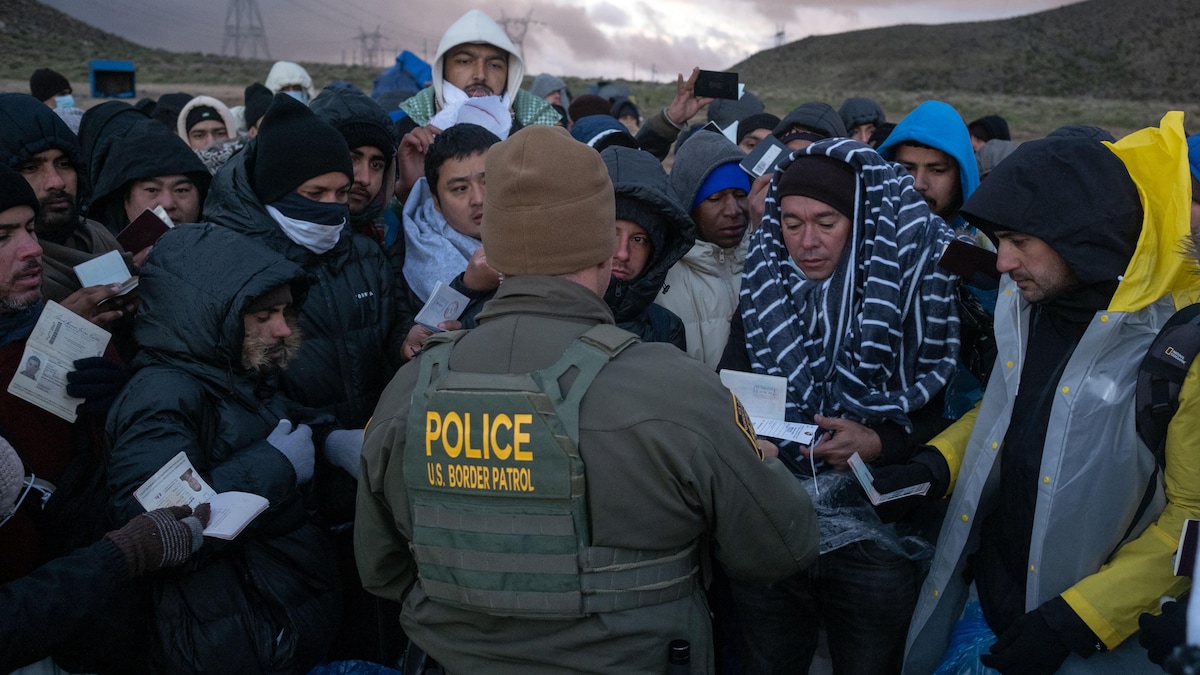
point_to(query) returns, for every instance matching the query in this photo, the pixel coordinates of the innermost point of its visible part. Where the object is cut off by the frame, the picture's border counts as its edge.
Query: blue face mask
(67, 101)
(301, 96)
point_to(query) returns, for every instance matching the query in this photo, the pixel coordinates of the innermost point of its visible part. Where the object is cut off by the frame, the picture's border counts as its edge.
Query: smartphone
(713, 84)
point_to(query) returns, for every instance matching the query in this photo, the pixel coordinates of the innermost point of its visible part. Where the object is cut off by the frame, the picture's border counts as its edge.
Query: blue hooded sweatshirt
(938, 125)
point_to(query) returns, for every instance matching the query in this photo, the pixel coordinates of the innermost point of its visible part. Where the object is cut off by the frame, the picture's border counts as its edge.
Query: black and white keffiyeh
(877, 339)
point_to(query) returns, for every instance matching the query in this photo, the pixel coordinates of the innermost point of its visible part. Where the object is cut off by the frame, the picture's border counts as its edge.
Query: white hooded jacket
(475, 27)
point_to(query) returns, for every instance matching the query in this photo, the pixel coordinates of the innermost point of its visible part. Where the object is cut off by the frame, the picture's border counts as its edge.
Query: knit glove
(97, 381)
(161, 538)
(297, 445)
(927, 465)
(343, 448)
(1028, 647)
(1160, 634)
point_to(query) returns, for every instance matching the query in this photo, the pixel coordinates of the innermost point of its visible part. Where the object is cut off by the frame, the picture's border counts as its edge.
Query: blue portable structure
(408, 75)
(112, 79)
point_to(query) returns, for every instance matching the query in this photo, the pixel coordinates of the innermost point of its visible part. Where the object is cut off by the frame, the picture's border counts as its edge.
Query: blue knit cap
(1194, 155)
(723, 177)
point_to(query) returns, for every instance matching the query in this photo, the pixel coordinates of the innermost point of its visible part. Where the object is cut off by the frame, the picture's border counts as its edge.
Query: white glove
(343, 448)
(297, 445)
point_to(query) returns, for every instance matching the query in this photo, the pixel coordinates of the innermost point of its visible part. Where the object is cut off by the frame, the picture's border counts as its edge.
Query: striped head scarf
(878, 338)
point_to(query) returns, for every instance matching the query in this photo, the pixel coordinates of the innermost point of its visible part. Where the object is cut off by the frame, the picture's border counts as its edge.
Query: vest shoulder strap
(1161, 376)
(567, 380)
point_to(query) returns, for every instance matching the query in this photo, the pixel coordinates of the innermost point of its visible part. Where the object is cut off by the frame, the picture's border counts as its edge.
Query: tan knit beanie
(549, 207)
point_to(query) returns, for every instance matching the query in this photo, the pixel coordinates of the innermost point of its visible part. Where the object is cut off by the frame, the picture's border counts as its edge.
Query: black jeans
(863, 594)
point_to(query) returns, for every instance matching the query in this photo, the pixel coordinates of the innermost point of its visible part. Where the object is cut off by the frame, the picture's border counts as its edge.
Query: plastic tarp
(409, 74)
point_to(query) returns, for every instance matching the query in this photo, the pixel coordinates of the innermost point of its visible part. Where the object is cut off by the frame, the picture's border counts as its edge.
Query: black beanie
(294, 145)
(202, 113)
(258, 99)
(358, 133)
(760, 121)
(15, 190)
(45, 84)
(822, 178)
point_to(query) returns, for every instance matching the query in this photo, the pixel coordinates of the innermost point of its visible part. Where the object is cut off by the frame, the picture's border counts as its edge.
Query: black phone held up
(713, 84)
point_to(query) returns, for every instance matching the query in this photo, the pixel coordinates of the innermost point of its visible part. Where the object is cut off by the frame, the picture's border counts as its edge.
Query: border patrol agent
(541, 491)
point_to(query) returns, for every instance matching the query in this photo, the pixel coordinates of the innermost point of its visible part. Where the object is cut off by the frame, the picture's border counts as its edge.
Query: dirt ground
(230, 95)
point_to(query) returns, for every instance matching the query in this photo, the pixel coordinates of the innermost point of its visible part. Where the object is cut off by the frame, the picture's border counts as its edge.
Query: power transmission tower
(778, 35)
(368, 44)
(244, 26)
(516, 28)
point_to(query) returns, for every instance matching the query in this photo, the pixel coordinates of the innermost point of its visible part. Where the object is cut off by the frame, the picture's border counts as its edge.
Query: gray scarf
(434, 251)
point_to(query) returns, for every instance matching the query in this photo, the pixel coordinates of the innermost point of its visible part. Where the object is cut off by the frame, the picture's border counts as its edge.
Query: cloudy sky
(586, 38)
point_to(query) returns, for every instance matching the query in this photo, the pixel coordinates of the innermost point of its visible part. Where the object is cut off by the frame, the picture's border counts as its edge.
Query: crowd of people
(554, 477)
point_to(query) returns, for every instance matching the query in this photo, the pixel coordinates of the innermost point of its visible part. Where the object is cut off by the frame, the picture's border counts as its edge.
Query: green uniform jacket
(666, 461)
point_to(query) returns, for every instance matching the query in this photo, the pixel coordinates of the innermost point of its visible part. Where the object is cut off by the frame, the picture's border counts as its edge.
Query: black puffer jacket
(264, 602)
(638, 175)
(346, 110)
(351, 343)
(141, 149)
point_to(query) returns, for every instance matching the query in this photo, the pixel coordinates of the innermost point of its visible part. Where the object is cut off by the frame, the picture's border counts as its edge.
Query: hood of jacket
(232, 203)
(938, 125)
(477, 28)
(1157, 161)
(284, 73)
(1076, 196)
(143, 149)
(698, 157)
(195, 287)
(231, 125)
(100, 127)
(28, 127)
(638, 175)
(545, 84)
(344, 109)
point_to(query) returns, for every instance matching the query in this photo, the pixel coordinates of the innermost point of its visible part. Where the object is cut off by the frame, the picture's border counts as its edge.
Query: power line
(369, 48)
(244, 27)
(516, 28)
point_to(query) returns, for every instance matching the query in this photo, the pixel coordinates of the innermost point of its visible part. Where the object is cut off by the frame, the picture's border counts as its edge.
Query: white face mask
(312, 236)
(301, 95)
(67, 101)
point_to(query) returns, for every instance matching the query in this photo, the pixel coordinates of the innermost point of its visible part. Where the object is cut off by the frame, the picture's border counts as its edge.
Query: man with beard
(475, 59)
(933, 145)
(372, 139)
(288, 190)
(1062, 520)
(63, 455)
(35, 142)
(217, 326)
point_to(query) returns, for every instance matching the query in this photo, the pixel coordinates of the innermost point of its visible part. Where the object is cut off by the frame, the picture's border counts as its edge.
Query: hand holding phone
(713, 84)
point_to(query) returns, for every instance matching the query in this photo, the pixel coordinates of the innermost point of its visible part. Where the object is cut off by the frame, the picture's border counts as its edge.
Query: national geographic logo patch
(742, 418)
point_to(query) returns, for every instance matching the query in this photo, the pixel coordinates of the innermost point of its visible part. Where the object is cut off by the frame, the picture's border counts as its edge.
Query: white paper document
(178, 484)
(106, 269)
(765, 400)
(444, 304)
(60, 338)
(863, 474)
(792, 431)
(762, 395)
